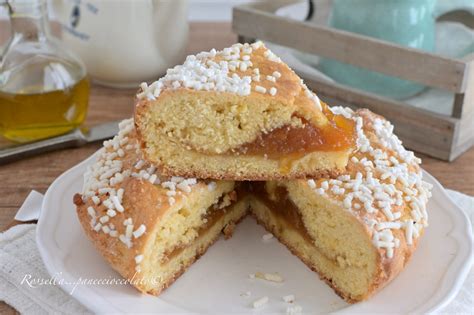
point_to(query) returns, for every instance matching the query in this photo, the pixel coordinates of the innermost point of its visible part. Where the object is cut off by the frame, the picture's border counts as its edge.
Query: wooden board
(464, 139)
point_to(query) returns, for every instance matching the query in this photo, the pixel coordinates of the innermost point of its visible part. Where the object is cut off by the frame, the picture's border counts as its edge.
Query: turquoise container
(410, 23)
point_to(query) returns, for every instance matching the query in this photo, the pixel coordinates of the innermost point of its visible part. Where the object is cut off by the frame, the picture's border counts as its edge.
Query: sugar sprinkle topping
(103, 180)
(260, 302)
(289, 298)
(138, 259)
(267, 237)
(294, 310)
(386, 179)
(273, 277)
(228, 70)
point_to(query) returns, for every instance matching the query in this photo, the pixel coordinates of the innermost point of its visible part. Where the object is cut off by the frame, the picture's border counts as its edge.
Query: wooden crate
(441, 136)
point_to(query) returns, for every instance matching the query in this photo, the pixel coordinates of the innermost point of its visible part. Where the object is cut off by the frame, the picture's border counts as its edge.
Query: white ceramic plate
(215, 282)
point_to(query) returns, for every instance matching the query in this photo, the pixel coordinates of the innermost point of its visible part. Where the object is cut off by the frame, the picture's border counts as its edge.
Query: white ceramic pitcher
(124, 42)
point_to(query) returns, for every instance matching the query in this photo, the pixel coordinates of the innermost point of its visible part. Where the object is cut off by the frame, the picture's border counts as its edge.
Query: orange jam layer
(337, 135)
(211, 217)
(283, 208)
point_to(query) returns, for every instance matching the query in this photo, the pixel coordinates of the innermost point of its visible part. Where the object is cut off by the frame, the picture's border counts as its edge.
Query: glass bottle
(44, 90)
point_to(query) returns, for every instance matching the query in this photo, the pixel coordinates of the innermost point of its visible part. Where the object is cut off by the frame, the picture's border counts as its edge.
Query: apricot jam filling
(337, 135)
(212, 216)
(283, 207)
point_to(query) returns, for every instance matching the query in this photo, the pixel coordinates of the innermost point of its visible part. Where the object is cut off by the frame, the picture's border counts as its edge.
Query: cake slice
(358, 230)
(150, 227)
(239, 114)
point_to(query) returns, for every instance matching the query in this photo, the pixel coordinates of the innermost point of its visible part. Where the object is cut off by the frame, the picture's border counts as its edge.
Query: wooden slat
(459, 99)
(255, 20)
(464, 139)
(457, 105)
(460, 149)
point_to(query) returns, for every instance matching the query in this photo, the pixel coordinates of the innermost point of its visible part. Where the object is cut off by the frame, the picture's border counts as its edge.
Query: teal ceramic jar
(409, 23)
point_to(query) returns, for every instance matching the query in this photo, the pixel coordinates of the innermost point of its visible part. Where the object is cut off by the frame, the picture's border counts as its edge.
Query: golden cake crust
(387, 270)
(124, 199)
(163, 169)
(395, 216)
(139, 196)
(392, 225)
(207, 141)
(121, 258)
(291, 91)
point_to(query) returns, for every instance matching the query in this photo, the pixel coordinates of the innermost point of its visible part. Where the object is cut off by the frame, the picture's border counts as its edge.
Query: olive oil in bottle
(28, 116)
(44, 90)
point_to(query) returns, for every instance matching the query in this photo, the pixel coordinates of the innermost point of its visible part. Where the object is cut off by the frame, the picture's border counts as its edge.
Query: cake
(228, 114)
(150, 228)
(357, 230)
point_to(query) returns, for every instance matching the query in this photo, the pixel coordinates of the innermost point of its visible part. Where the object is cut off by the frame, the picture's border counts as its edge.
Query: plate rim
(44, 247)
(450, 284)
(463, 263)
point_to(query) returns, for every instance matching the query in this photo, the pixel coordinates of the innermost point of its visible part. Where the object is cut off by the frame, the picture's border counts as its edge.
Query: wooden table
(19, 178)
